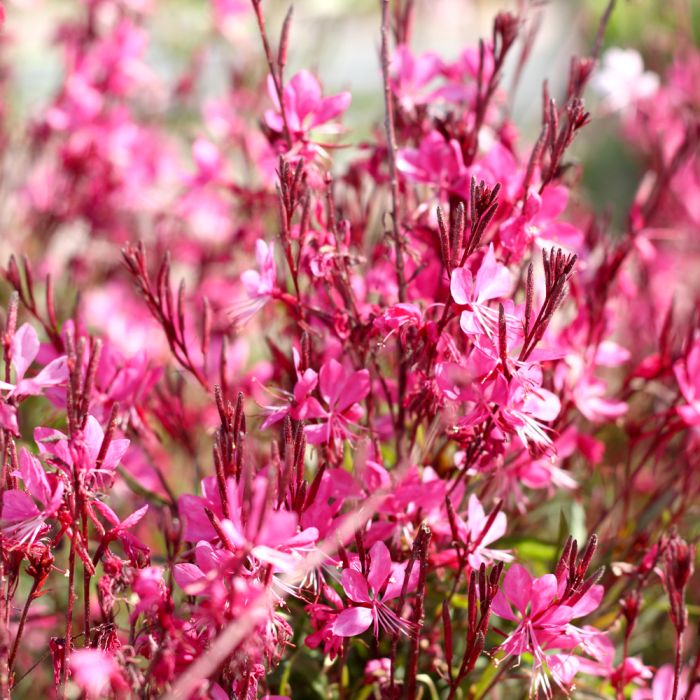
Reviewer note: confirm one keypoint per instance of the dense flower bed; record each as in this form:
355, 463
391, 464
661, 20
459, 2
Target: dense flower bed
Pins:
423, 424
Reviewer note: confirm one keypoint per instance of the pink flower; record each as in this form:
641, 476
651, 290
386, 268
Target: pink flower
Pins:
20, 518
687, 371
520, 406
476, 533
119, 529
263, 282
370, 595
97, 673
82, 451
25, 348
493, 281
305, 107
341, 393
260, 284
436, 162
205, 577
150, 589
662, 686
269, 536
529, 406
411, 74
398, 318
322, 618
538, 223
589, 397
543, 619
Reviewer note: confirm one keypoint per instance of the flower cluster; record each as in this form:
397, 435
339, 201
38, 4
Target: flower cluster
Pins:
276, 423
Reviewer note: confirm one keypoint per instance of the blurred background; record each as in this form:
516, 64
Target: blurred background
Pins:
339, 39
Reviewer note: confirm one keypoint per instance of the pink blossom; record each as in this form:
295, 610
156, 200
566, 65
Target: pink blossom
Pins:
305, 107
493, 281
25, 348
260, 285
662, 686
410, 75
97, 673
476, 534
20, 518
687, 372
538, 224
371, 594
436, 162
341, 393
82, 452
269, 536
543, 620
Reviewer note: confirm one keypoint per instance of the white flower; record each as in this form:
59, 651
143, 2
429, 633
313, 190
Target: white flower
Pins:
622, 81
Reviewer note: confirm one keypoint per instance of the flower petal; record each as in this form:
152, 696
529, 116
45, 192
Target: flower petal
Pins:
380, 566
355, 586
25, 347
352, 621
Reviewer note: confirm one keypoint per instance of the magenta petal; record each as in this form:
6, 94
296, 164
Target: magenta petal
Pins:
93, 436
558, 616
17, 506
116, 450
281, 561
461, 285
318, 434
355, 388
501, 607
208, 558
380, 566
331, 107
197, 525
588, 602
396, 581
355, 586
543, 591
8, 418
305, 385
517, 585
277, 527
331, 381
352, 621
25, 347
134, 518
304, 539
310, 408
54, 443
56, 372
107, 513
34, 476
189, 577
306, 91
542, 404
493, 280
554, 201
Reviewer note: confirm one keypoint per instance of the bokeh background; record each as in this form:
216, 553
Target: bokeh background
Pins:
339, 40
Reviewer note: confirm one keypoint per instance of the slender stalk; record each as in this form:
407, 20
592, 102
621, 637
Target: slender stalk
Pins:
391, 152
677, 665
395, 228
86, 584
276, 79
4, 639
67, 642
22, 621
